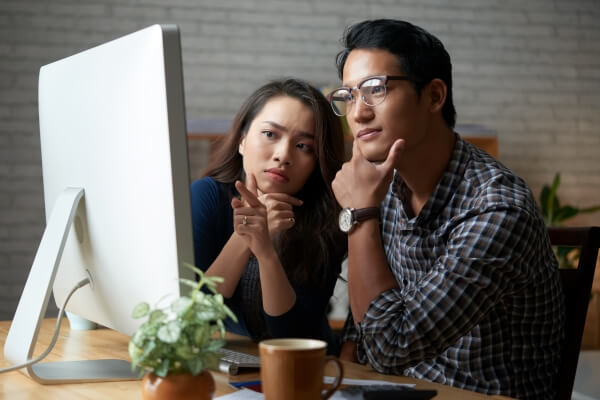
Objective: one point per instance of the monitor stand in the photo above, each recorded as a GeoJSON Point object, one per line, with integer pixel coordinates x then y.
{"type": "Point", "coordinates": [23, 333]}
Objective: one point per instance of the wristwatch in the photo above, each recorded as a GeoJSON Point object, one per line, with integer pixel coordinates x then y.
{"type": "Point", "coordinates": [349, 217]}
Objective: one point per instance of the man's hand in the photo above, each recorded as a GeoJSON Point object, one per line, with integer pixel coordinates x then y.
{"type": "Point", "coordinates": [348, 351]}
{"type": "Point", "coordinates": [361, 183]}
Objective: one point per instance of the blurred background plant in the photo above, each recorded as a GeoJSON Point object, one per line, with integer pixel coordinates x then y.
{"type": "Point", "coordinates": [555, 214]}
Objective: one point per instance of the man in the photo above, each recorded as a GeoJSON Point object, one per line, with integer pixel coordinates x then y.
{"type": "Point", "coordinates": [451, 276]}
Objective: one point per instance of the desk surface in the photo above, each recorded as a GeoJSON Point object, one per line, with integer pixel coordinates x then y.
{"type": "Point", "coordinates": [105, 343]}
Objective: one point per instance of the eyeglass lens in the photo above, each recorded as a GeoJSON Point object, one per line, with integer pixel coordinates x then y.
{"type": "Point", "coordinates": [372, 92]}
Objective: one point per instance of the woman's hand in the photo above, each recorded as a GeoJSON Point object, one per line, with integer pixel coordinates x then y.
{"type": "Point", "coordinates": [280, 212]}
{"type": "Point", "coordinates": [250, 219]}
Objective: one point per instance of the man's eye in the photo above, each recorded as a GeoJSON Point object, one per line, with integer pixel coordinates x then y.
{"type": "Point", "coordinates": [377, 89]}
{"type": "Point", "coordinates": [343, 96]}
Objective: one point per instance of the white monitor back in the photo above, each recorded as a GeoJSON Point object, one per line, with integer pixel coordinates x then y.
{"type": "Point", "coordinates": [112, 122]}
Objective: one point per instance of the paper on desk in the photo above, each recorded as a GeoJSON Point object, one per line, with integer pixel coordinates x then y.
{"type": "Point", "coordinates": [243, 394]}
{"type": "Point", "coordinates": [348, 381]}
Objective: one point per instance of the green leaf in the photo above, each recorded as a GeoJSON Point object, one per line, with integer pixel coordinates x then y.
{"type": "Point", "coordinates": [169, 333]}
{"type": "Point", "coordinates": [163, 368]}
{"type": "Point", "coordinates": [544, 201]}
{"type": "Point", "coordinates": [564, 213]}
{"type": "Point", "coordinates": [134, 352]}
{"type": "Point", "coordinates": [181, 305]}
{"type": "Point", "coordinates": [185, 351]}
{"type": "Point", "coordinates": [206, 315]}
{"type": "Point", "coordinates": [195, 366]}
{"type": "Point", "coordinates": [589, 210]}
{"type": "Point", "coordinates": [141, 310]}
{"type": "Point", "coordinates": [552, 201]}
{"type": "Point", "coordinates": [229, 313]}
{"type": "Point", "coordinates": [216, 279]}
{"type": "Point", "coordinates": [214, 345]}
{"type": "Point", "coordinates": [156, 316]}
{"type": "Point", "coordinates": [194, 268]}
{"type": "Point", "coordinates": [201, 334]}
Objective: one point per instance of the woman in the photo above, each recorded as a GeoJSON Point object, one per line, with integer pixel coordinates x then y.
{"type": "Point", "coordinates": [265, 218]}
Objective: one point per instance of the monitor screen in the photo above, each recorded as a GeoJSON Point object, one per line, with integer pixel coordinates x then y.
{"type": "Point", "coordinates": [112, 123]}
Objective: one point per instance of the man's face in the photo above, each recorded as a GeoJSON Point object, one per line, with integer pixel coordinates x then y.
{"type": "Point", "coordinates": [402, 115]}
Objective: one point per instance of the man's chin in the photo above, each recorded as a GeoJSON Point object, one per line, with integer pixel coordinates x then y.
{"type": "Point", "coordinates": [375, 158]}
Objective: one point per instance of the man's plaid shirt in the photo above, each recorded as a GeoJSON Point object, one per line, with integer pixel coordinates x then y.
{"type": "Point", "coordinates": [479, 303]}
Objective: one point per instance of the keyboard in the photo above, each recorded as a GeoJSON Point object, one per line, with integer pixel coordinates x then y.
{"type": "Point", "coordinates": [233, 361]}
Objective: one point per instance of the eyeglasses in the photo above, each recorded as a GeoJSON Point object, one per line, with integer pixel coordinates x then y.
{"type": "Point", "coordinates": [372, 92]}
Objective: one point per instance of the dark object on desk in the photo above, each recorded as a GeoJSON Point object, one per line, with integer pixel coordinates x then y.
{"type": "Point", "coordinates": [386, 392]}
{"type": "Point", "coordinates": [577, 286]}
{"type": "Point", "coordinates": [250, 385]}
{"type": "Point", "coordinates": [233, 362]}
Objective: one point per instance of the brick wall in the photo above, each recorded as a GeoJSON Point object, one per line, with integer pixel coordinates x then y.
{"type": "Point", "coordinates": [529, 70]}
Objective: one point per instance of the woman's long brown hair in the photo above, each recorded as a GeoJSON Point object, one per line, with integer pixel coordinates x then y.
{"type": "Point", "coordinates": [314, 248]}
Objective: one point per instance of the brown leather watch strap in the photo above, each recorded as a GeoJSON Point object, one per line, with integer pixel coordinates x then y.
{"type": "Point", "coordinates": [363, 214]}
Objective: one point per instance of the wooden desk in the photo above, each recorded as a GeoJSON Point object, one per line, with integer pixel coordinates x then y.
{"type": "Point", "coordinates": [105, 343]}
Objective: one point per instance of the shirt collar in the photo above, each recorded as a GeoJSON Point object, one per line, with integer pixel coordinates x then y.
{"type": "Point", "coordinates": [445, 188]}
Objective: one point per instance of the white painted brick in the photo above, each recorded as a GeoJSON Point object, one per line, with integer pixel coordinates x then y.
{"type": "Point", "coordinates": [18, 7]}
{"type": "Point", "coordinates": [77, 9]}
{"type": "Point", "coordinates": [197, 14]}
{"type": "Point", "coordinates": [136, 11]}
{"type": "Point", "coordinates": [26, 170]}
{"type": "Point", "coordinates": [529, 70]}
{"type": "Point", "coordinates": [5, 202]}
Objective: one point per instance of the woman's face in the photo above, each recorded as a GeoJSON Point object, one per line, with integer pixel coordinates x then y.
{"type": "Point", "coordinates": [279, 147]}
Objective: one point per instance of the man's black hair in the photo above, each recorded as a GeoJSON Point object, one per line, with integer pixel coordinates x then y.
{"type": "Point", "coordinates": [421, 56]}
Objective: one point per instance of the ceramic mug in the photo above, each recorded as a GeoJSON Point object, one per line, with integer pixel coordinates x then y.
{"type": "Point", "coordinates": [293, 369]}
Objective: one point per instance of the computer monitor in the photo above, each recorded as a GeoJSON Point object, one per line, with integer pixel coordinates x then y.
{"type": "Point", "coordinates": [116, 191]}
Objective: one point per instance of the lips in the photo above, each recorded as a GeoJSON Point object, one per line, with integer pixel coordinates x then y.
{"type": "Point", "coordinates": [277, 175]}
{"type": "Point", "coordinates": [367, 133]}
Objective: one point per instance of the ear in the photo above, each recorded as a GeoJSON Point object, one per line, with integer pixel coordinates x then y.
{"type": "Point", "coordinates": [241, 146]}
{"type": "Point", "coordinates": [437, 95]}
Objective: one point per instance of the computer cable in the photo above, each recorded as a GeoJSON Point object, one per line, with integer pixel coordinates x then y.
{"type": "Point", "coordinates": [59, 319]}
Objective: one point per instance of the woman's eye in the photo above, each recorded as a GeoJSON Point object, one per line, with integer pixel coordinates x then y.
{"type": "Point", "coordinates": [268, 134]}
{"type": "Point", "coordinates": [305, 147]}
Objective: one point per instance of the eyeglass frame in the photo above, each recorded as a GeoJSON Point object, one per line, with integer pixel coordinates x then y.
{"type": "Point", "coordinates": [384, 78]}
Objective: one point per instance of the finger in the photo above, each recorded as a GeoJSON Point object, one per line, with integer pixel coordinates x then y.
{"type": "Point", "coordinates": [394, 155]}
{"type": "Point", "coordinates": [248, 196]}
{"type": "Point", "coordinates": [249, 212]}
{"type": "Point", "coordinates": [281, 224]}
{"type": "Point", "coordinates": [356, 150]}
{"type": "Point", "coordinates": [236, 203]}
{"type": "Point", "coordinates": [277, 206]}
{"type": "Point", "coordinates": [281, 215]}
{"type": "Point", "coordinates": [251, 184]}
{"type": "Point", "coordinates": [246, 220]}
{"type": "Point", "coordinates": [284, 198]}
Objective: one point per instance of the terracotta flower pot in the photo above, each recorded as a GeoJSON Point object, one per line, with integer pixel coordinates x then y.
{"type": "Point", "coordinates": [178, 387]}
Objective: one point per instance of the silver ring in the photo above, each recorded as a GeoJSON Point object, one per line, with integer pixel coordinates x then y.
{"type": "Point", "coordinates": [292, 220]}
{"type": "Point", "coordinates": [245, 220]}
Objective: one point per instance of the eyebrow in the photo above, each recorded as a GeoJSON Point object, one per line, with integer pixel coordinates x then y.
{"type": "Point", "coordinates": [283, 128]}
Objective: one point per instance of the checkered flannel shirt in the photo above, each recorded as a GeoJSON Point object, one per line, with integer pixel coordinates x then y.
{"type": "Point", "coordinates": [479, 303]}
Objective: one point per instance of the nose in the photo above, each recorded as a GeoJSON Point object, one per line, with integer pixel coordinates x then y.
{"type": "Point", "coordinates": [360, 112]}
{"type": "Point", "coordinates": [283, 152]}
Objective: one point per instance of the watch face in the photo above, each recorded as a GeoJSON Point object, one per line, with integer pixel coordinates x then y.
{"type": "Point", "coordinates": [345, 220]}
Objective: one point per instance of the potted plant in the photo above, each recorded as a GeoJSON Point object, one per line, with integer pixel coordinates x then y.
{"type": "Point", "coordinates": [176, 345]}
{"type": "Point", "coordinates": [555, 213]}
